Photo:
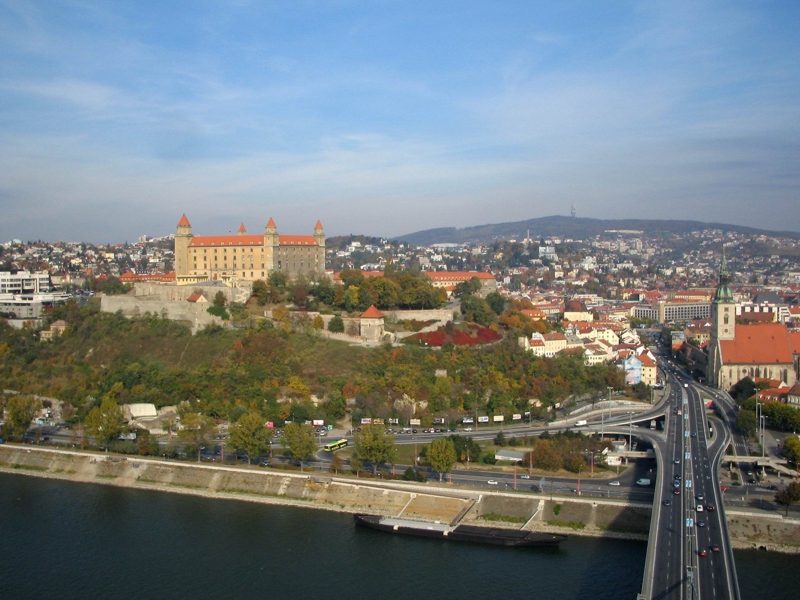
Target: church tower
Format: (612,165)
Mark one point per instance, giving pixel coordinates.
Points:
(723,324)
(723,307)
(183,237)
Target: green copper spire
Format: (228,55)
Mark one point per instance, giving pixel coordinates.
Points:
(724,292)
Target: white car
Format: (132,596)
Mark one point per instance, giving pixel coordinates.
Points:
(525,476)
(615,483)
(700,508)
(492,482)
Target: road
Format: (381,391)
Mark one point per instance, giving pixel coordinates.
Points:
(693,523)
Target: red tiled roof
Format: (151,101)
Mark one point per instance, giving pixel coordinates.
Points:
(184,222)
(297,240)
(271,223)
(318,225)
(372,313)
(227,240)
(194,297)
(763,343)
(794,341)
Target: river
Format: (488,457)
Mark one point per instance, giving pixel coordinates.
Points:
(70,540)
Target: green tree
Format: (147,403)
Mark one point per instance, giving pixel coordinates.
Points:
(336,325)
(788,496)
(746,422)
(105,422)
(337,464)
(196,431)
(496,302)
(19,413)
(441,455)
(466,448)
(791,449)
(375,446)
(250,435)
(500,440)
(299,442)
(260,291)
(219,300)
(477,310)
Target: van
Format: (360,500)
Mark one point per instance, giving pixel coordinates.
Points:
(643,481)
(580,423)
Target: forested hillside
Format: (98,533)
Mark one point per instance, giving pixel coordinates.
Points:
(278,373)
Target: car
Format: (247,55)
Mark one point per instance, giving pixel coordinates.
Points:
(676,483)
(677,461)
(666,502)
(715,547)
(702,552)
(678,476)
(710,508)
(493,482)
(699,508)
(700,497)
(525,476)
(677,491)
(614,483)
(694,434)
(701,523)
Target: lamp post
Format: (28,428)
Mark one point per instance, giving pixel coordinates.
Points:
(630,431)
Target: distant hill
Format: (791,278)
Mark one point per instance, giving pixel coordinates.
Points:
(570,227)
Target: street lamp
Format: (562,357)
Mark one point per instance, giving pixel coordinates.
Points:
(630,431)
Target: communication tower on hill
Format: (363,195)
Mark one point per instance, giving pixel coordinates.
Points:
(572,212)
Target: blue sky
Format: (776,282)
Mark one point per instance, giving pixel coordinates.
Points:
(388,117)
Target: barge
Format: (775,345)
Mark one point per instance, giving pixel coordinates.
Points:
(460,533)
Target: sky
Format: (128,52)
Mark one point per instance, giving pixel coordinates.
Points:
(384,117)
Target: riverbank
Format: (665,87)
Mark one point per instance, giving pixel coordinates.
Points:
(590,517)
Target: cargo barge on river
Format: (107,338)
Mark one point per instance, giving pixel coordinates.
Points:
(460,533)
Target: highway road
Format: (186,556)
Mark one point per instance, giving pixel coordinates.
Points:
(692,549)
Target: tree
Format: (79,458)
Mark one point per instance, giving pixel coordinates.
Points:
(545,456)
(336,325)
(299,442)
(500,439)
(791,449)
(746,422)
(19,413)
(337,464)
(105,422)
(260,291)
(373,445)
(743,389)
(788,496)
(219,300)
(196,431)
(496,302)
(441,455)
(250,435)
(477,310)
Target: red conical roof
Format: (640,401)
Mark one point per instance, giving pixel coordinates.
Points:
(184,222)
(271,223)
(372,313)
(318,225)
(242,229)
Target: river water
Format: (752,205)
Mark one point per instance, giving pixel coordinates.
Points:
(68,540)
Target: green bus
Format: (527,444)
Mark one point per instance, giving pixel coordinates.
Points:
(335,445)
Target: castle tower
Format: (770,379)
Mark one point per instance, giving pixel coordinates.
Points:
(319,234)
(242,230)
(271,234)
(183,237)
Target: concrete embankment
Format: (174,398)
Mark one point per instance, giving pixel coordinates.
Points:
(575,516)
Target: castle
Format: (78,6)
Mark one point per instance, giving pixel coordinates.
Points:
(244,257)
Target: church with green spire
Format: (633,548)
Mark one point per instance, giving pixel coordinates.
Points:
(736,351)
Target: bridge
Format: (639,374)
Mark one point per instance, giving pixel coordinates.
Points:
(689,555)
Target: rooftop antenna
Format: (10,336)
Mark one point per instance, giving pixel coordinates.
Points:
(572,210)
